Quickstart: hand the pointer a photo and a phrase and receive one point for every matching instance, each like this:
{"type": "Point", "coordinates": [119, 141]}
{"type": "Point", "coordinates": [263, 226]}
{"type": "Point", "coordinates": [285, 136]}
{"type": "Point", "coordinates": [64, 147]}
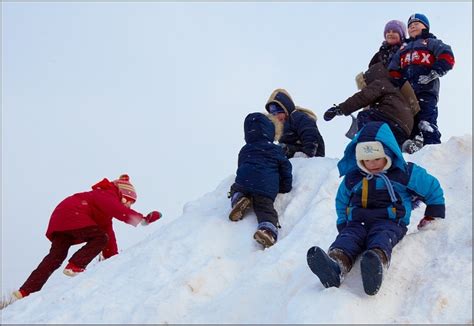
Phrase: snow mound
{"type": "Point", "coordinates": [203, 268]}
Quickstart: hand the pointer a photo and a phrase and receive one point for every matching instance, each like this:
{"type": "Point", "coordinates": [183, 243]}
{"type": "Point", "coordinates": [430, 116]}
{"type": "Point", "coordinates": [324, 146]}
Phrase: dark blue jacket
{"type": "Point", "coordinates": [300, 129]}
{"type": "Point", "coordinates": [418, 57]}
{"type": "Point", "coordinates": [263, 169]}
{"type": "Point", "coordinates": [362, 197]}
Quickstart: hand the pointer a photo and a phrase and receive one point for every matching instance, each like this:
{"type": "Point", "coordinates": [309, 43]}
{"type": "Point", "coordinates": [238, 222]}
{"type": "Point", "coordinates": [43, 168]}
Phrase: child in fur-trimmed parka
{"type": "Point", "coordinates": [300, 133]}
{"type": "Point", "coordinates": [263, 172]}
{"type": "Point", "coordinates": [421, 61]}
{"type": "Point", "coordinates": [374, 203]}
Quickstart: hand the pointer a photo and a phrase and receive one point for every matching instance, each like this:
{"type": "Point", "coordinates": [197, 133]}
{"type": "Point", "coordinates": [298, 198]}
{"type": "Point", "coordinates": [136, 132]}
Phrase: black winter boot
{"type": "Point", "coordinates": [372, 265]}
{"type": "Point", "coordinates": [328, 270]}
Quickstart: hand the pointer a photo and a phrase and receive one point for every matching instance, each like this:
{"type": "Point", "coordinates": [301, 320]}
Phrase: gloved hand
{"type": "Point", "coordinates": [151, 217]}
{"type": "Point", "coordinates": [424, 222]}
{"type": "Point", "coordinates": [288, 150]}
{"type": "Point", "coordinates": [332, 112]}
{"type": "Point", "coordinates": [425, 79]}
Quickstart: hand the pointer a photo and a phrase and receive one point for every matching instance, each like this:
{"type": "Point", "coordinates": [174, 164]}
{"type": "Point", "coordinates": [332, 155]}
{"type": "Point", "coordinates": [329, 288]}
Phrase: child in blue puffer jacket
{"type": "Point", "coordinates": [263, 172]}
{"type": "Point", "coordinates": [421, 61]}
{"type": "Point", "coordinates": [374, 203]}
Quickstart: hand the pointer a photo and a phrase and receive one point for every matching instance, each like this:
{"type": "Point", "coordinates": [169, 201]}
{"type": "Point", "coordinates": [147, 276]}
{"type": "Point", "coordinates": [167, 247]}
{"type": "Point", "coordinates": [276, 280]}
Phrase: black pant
{"type": "Point", "coordinates": [95, 239]}
{"type": "Point", "coordinates": [262, 206]}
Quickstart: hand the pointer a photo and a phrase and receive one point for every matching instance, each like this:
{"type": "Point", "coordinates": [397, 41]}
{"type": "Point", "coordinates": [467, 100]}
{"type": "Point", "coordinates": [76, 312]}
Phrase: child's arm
{"type": "Point", "coordinates": [429, 189]}
{"type": "Point", "coordinates": [342, 203]}
{"type": "Point", "coordinates": [110, 205]}
{"type": "Point", "coordinates": [286, 176]}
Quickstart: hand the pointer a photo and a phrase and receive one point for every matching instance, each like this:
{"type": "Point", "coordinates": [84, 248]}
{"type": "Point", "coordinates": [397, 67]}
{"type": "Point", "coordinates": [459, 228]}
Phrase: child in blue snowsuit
{"type": "Point", "coordinates": [421, 61]}
{"type": "Point", "coordinates": [374, 203]}
{"type": "Point", "coordinates": [263, 172]}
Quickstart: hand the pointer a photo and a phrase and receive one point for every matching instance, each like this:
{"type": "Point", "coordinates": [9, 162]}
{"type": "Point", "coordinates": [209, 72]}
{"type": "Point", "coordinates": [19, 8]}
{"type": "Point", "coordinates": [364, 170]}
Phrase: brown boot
{"type": "Point", "coordinates": [382, 257]}
{"type": "Point", "coordinates": [342, 259]}
{"type": "Point", "coordinates": [239, 209]}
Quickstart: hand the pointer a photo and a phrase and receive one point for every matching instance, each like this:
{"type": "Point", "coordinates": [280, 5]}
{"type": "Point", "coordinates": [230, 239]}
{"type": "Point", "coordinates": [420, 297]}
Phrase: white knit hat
{"type": "Point", "coordinates": [371, 150]}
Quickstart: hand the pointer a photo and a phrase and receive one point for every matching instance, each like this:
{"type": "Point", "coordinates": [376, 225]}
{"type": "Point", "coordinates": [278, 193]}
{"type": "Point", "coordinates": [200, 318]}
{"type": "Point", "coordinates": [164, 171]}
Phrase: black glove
{"type": "Point", "coordinates": [332, 112]}
{"type": "Point", "coordinates": [288, 150]}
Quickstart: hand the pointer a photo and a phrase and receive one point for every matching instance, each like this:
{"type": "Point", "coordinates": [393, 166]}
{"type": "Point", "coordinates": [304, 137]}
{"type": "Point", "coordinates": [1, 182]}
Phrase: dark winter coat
{"type": "Point", "coordinates": [300, 128]}
{"type": "Point", "coordinates": [93, 208]}
{"type": "Point", "coordinates": [418, 57]}
{"type": "Point", "coordinates": [363, 197]}
{"type": "Point", "coordinates": [384, 54]}
{"type": "Point", "coordinates": [263, 169]}
{"type": "Point", "coordinates": [382, 96]}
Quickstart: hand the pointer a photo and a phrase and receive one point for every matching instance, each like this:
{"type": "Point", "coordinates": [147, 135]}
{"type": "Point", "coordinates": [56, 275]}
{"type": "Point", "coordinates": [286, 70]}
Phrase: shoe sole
{"type": "Point", "coordinates": [239, 209]}
{"type": "Point", "coordinates": [320, 264]}
{"type": "Point", "coordinates": [263, 239]}
{"type": "Point", "coordinates": [371, 269]}
{"type": "Point", "coordinates": [70, 273]}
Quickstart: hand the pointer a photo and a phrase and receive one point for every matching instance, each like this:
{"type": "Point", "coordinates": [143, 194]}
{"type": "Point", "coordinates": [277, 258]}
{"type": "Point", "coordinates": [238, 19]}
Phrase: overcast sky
{"type": "Point", "coordinates": [160, 91]}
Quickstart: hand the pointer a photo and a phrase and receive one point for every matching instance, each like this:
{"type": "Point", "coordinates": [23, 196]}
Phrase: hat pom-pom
{"type": "Point", "coordinates": [124, 177]}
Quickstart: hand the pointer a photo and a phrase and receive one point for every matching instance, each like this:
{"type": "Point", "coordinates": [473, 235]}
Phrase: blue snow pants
{"type": "Point", "coordinates": [357, 237]}
{"type": "Point", "coordinates": [429, 113]}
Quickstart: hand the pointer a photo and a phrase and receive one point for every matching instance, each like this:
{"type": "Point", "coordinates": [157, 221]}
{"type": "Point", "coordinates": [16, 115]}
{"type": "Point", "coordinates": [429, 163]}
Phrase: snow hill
{"type": "Point", "coordinates": [202, 268]}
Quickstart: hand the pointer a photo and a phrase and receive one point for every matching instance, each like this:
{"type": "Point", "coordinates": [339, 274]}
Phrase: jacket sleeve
{"type": "Point", "coordinates": [111, 206]}
{"type": "Point", "coordinates": [342, 202]}
{"type": "Point", "coordinates": [307, 132]}
{"type": "Point", "coordinates": [428, 188]}
{"type": "Point", "coordinates": [286, 176]}
{"type": "Point", "coordinates": [443, 54]}
{"type": "Point", "coordinates": [367, 96]}
{"type": "Point", "coordinates": [395, 69]}
{"type": "Point", "coordinates": [111, 248]}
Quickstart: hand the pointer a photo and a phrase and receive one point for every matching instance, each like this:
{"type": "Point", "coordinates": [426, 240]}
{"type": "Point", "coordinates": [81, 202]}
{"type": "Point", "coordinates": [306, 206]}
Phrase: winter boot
{"type": "Point", "coordinates": [372, 265]}
{"type": "Point", "coordinates": [240, 204]}
{"type": "Point", "coordinates": [72, 270]}
{"type": "Point", "coordinates": [411, 146]}
{"type": "Point", "coordinates": [20, 294]}
{"type": "Point", "coordinates": [328, 270]}
{"type": "Point", "coordinates": [266, 234]}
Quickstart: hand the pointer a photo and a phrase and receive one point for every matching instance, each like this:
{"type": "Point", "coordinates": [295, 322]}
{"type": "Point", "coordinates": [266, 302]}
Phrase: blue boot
{"type": "Point", "coordinates": [324, 267]}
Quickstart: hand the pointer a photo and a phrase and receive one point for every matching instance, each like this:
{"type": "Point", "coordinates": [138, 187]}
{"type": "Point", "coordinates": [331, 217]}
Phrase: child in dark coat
{"type": "Point", "coordinates": [374, 203]}
{"type": "Point", "coordinates": [394, 35]}
{"type": "Point", "coordinates": [86, 217]}
{"type": "Point", "coordinates": [385, 103]}
{"type": "Point", "coordinates": [263, 172]}
{"type": "Point", "coordinates": [301, 133]}
{"type": "Point", "coordinates": [421, 61]}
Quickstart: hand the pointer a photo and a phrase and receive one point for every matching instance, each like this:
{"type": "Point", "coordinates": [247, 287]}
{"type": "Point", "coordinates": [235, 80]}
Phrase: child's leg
{"type": "Point", "coordinates": [267, 218]}
{"type": "Point", "coordinates": [60, 245]}
{"type": "Point", "coordinates": [96, 239]}
{"type": "Point", "coordinates": [351, 240]}
{"type": "Point", "coordinates": [384, 235]}
{"type": "Point", "coordinates": [426, 119]}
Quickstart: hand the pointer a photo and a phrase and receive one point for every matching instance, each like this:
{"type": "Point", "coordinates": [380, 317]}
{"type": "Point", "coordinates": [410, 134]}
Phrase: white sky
{"type": "Point", "coordinates": [160, 91]}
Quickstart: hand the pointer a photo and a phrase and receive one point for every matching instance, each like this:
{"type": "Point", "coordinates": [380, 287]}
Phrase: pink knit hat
{"type": "Point", "coordinates": [125, 187]}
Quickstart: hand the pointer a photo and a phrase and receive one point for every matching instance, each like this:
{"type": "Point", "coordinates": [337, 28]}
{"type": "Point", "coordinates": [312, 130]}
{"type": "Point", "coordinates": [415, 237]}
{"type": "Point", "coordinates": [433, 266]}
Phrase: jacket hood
{"type": "Point", "coordinates": [282, 98]}
{"type": "Point", "coordinates": [376, 71]}
{"type": "Point", "coordinates": [257, 127]}
{"type": "Point", "coordinates": [105, 184]}
{"type": "Point", "coordinates": [373, 131]}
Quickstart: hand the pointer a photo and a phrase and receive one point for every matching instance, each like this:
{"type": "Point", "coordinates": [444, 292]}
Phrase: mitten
{"type": "Point", "coordinates": [424, 222]}
{"type": "Point", "coordinates": [425, 79]}
{"type": "Point", "coordinates": [332, 112]}
{"type": "Point", "coordinates": [151, 217]}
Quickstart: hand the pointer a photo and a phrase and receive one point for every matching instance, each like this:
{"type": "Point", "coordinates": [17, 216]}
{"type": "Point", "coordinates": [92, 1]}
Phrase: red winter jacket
{"type": "Point", "coordinates": [95, 207]}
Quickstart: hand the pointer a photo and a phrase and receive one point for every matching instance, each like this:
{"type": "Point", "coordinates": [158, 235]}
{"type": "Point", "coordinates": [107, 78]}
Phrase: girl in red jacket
{"type": "Point", "coordinates": [86, 217]}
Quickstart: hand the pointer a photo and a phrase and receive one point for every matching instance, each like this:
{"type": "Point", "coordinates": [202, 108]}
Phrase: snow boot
{"type": "Point", "coordinates": [372, 265]}
{"type": "Point", "coordinates": [72, 270]}
{"type": "Point", "coordinates": [266, 234]}
{"type": "Point", "coordinates": [330, 270]}
{"type": "Point", "coordinates": [19, 294]}
{"type": "Point", "coordinates": [239, 207]}
{"type": "Point", "coordinates": [411, 146]}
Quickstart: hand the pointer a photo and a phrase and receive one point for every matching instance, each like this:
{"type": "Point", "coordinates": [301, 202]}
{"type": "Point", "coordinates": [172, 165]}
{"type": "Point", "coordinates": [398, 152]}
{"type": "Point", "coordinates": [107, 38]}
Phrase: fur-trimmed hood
{"type": "Point", "coordinates": [281, 97]}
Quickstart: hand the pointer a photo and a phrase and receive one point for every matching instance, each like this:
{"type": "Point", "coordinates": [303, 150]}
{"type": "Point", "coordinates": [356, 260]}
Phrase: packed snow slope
{"type": "Point", "coordinates": [202, 268]}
